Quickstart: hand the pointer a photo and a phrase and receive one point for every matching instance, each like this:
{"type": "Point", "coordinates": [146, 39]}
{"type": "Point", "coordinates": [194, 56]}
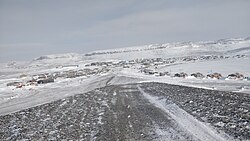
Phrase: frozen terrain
{"type": "Point", "coordinates": [145, 111]}
{"type": "Point", "coordinates": [149, 92]}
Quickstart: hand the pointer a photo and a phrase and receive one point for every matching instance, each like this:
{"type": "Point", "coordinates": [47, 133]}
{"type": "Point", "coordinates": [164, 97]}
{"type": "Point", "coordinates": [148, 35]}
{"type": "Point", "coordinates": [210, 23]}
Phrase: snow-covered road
{"type": "Point", "coordinates": [138, 111]}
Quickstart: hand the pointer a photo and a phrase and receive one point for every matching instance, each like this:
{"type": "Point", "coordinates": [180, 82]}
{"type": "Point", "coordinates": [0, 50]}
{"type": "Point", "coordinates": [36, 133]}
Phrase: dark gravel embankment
{"type": "Point", "coordinates": [226, 111]}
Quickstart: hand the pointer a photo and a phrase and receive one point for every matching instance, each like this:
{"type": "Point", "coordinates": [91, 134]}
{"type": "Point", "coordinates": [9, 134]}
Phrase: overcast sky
{"type": "Point", "coordinates": [30, 28]}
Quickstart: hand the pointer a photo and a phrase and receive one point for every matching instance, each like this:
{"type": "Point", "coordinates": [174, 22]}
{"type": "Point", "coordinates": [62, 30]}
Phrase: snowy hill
{"type": "Point", "coordinates": [226, 46]}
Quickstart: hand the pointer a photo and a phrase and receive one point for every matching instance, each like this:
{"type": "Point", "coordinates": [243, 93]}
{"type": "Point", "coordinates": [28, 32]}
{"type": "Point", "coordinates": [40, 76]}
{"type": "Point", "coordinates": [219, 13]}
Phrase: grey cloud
{"type": "Point", "coordinates": [187, 24]}
{"type": "Point", "coordinates": [82, 26]}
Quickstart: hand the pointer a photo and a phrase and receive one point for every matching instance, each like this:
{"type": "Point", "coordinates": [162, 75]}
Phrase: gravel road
{"type": "Point", "coordinates": [144, 111]}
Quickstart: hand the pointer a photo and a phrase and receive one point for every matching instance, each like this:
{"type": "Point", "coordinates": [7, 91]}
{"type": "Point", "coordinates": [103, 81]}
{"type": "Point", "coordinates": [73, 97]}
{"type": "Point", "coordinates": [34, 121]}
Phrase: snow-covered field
{"type": "Point", "coordinates": [53, 77]}
{"type": "Point", "coordinates": [226, 57]}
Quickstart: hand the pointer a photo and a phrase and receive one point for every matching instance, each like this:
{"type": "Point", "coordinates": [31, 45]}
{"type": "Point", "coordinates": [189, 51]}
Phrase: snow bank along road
{"type": "Point", "coordinates": [139, 111]}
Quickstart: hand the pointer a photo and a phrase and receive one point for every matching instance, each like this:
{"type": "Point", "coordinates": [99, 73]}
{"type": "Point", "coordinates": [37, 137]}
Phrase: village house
{"type": "Point", "coordinates": [214, 75]}
{"type": "Point", "coordinates": [235, 76]}
{"type": "Point", "coordinates": [197, 75]}
{"type": "Point", "coordinates": [182, 74]}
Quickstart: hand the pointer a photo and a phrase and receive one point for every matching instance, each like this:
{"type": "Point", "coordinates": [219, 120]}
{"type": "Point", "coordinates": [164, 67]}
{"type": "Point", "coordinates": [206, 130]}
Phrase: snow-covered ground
{"type": "Point", "coordinates": [125, 65]}
{"type": "Point", "coordinates": [111, 87]}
